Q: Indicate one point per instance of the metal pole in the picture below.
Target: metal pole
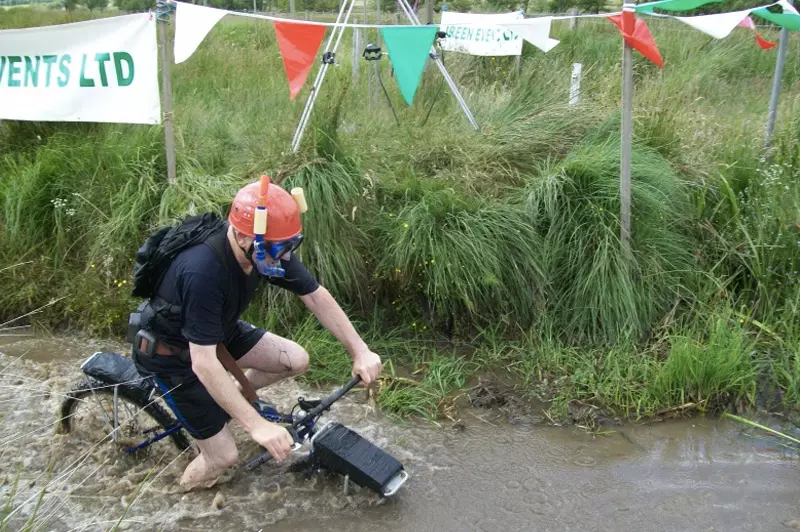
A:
(322, 71)
(429, 9)
(369, 70)
(356, 49)
(776, 84)
(413, 18)
(291, 7)
(625, 158)
(166, 89)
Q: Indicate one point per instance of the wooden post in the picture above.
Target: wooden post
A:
(575, 84)
(166, 96)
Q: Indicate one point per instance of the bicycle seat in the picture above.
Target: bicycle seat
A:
(112, 368)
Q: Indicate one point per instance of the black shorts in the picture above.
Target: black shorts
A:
(186, 395)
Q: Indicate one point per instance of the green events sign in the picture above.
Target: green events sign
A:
(102, 70)
(481, 34)
(61, 70)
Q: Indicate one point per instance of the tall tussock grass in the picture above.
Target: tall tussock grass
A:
(597, 293)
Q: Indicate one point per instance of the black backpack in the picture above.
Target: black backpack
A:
(162, 246)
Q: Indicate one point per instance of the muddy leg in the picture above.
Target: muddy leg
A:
(217, 454)
(272, 359)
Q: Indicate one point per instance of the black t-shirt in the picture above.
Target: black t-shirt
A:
(212, 298)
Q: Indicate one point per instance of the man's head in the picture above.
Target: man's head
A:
(284, 227)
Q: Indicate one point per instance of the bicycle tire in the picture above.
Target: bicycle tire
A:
(154, 410)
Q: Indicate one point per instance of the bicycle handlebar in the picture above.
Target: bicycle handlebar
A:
(328, 401)
(324, 405)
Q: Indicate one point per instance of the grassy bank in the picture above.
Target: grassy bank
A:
(459, 252)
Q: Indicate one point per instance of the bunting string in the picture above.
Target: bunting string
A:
(639, 11)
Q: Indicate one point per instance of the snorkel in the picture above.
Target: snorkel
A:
(260, 229)
(265, 266)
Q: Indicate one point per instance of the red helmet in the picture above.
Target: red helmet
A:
(283, 213)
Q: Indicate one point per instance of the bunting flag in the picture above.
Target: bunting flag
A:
(639, 38)
(719, 25)
(534, 30)
(763, 43)
(674, 5)
(789, 19)
(192, 24)
(298, 44)
(409, 48)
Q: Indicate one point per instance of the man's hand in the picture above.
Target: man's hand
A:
(274, 438)
(368, 365)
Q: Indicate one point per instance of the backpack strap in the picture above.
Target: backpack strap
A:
(230, 364)
(218, 242)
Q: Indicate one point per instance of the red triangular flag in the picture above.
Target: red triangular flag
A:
(763, 43)
(640, 38)
(298, 44)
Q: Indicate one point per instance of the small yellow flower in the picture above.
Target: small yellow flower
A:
(433, 261)
(405, 225)
(741, 321)
(92, 266)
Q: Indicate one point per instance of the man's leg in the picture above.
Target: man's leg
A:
(267, 358)
(207, 423)
(217, 454)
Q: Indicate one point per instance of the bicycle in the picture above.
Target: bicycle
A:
(110, 375)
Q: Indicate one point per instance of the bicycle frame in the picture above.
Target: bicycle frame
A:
(301, 425)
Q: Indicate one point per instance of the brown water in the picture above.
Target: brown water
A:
(700, 474)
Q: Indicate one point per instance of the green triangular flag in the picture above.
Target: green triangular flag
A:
(674, 5)
(790, 21)
(408, 48)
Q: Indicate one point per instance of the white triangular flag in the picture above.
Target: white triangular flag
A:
(788, 9)
(534, 30)
(192, 24)
(719, 25)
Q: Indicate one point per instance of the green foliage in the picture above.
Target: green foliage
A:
(135, 6)
(583, 6)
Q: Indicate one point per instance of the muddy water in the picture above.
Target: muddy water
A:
(700, 474)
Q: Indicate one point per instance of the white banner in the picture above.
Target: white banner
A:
(480, 34)
(103, 70)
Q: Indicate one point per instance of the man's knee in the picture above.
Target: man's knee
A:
(299, 360)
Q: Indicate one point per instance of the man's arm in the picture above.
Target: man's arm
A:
(275, 438)
(322, 304)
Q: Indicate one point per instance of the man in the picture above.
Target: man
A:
(196, 310)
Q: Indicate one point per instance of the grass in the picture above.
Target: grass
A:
(460, 251)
